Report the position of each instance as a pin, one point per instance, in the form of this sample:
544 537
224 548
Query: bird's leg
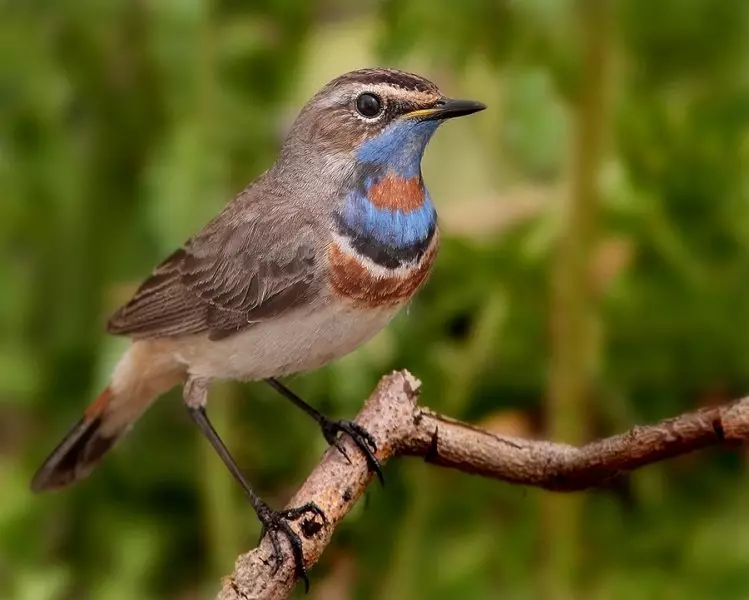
275 522
331 429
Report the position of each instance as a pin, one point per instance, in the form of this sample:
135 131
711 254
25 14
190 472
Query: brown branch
403 428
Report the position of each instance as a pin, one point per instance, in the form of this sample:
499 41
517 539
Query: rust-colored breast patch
350 279
397 193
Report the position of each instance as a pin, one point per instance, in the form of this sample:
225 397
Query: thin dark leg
330 429
275 523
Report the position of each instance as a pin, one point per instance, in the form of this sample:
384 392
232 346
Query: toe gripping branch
331 429
362 438
276 523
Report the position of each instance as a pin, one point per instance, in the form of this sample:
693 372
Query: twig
403 428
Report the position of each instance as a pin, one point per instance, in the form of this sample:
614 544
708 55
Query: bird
303 266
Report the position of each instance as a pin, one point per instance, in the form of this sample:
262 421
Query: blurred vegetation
124 125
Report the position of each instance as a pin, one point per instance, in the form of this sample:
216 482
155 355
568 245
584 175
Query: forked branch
403 428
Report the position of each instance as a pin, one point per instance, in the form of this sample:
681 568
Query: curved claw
292 514
282 527
363 433
342 449
362 438
275 524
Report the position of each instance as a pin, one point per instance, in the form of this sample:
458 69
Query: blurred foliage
125 125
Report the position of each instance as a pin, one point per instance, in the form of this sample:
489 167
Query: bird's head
357 147
375 117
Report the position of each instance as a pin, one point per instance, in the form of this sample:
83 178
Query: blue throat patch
399 147
389 237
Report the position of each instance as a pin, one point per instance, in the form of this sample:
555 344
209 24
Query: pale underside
305 339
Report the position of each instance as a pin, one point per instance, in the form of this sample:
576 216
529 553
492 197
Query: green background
594 274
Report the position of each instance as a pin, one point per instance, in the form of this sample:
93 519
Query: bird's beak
447 108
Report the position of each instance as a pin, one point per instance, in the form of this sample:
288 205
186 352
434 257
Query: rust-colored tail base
81 449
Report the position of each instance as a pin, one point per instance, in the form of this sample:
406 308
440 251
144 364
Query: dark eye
368 105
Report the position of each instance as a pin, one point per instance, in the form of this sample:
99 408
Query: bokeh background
594 275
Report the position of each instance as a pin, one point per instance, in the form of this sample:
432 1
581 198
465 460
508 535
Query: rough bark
404 428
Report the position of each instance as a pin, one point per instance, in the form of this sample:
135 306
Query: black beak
447 108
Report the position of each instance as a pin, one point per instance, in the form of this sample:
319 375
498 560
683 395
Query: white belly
299 341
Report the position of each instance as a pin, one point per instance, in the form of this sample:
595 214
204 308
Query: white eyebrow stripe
342 95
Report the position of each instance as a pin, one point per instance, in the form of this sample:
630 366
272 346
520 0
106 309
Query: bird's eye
368 105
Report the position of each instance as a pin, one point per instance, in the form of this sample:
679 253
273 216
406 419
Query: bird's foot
276 523
331 429
362 438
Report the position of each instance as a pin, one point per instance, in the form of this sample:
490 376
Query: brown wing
241 269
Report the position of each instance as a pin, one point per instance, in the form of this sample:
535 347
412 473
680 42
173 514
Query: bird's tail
104 422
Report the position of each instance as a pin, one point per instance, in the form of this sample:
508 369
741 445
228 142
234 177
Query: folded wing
241 269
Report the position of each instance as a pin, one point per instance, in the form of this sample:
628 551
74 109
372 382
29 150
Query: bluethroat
303 266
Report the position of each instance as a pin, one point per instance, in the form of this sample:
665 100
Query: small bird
303 266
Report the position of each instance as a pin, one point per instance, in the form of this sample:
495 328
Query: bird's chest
385 242
364 284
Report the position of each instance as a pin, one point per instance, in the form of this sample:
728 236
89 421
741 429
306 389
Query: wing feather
243 268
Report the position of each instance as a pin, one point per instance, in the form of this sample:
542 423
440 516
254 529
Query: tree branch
403 428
